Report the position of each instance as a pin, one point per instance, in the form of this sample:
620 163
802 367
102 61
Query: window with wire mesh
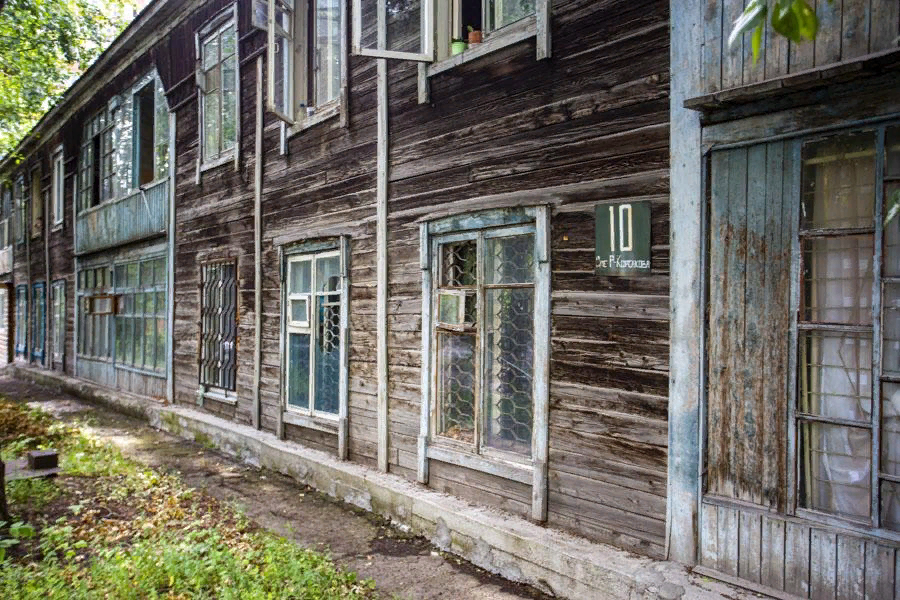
848 401
484 340
218 324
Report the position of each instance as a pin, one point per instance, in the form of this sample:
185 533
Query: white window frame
297 77
309 417
7 209
58 306
214 26
528 470
20 207
58 187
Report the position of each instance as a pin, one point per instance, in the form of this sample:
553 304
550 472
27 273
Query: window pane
146 273
229 103
160 344
890 429
509 260
328 274
449 308
282 74
892 152
161 303
328 48
300 277
328 355
211 125
459 264
149 343
836 375
504 12
837 279
210 52
834 469
298 370
132 275
456 386
138 341
299 312
508 369
892 230
890 505
404 25
839 182
890 359
120 339
228 42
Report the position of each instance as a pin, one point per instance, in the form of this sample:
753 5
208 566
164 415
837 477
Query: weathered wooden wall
753 197
847 30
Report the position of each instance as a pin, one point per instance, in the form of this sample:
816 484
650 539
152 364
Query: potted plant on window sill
474 35
457 46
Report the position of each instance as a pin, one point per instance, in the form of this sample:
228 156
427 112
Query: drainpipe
170 277
382 267
257 243
48 354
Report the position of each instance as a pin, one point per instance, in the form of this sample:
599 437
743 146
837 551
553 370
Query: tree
44 46
794 19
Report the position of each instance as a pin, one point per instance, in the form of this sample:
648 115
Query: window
21 203
6 210
37 203
22 320
218 325
217 77
58 306
435 30
305 57
38 321
487 383
95 168
140 314
485 344
315 317
848 392
94 338
59 187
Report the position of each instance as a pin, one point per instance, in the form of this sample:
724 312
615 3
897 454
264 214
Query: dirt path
403 567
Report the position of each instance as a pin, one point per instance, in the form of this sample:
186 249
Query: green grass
131 532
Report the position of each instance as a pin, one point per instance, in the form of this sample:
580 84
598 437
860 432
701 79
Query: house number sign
622 238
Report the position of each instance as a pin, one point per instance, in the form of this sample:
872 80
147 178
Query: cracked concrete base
555 562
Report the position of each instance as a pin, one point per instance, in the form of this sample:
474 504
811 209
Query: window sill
227 158
56 228
218 396
317 422
515 471
507 36
320 115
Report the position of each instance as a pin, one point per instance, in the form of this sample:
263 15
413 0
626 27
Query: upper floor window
217 76
95 167
6 211
37 203
465 23
57 198
305 57
21 208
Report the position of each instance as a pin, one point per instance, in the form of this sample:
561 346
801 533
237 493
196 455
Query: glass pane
282 74
456 386
328 355
211 125
836 375
298 370
508 369
834 469
133 275
837 279
890 349
149 343
147 274
299 312
228 42
229 103
890 505
509 259
890 429
459 264
839 182
300 277
120 339
504 12
892 152
138 342
161 303
404 25
210 52
328 274
892 230
160 344
449 308
328 48
121 281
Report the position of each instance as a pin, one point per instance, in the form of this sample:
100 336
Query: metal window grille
218 325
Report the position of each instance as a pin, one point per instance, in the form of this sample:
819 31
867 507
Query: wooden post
257 244
686 329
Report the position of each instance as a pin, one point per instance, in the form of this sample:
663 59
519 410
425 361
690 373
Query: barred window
218 325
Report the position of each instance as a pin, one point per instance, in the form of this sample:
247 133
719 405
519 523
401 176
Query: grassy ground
109 527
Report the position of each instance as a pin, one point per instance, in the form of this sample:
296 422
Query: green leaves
794 19
44 46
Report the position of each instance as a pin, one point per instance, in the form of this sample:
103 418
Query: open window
218 80
306 59
143 128
394 29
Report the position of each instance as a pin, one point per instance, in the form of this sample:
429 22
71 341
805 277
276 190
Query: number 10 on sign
622 238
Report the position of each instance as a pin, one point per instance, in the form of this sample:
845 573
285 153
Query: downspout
48 354
29 300
381 256
76 316
257 243
170 278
